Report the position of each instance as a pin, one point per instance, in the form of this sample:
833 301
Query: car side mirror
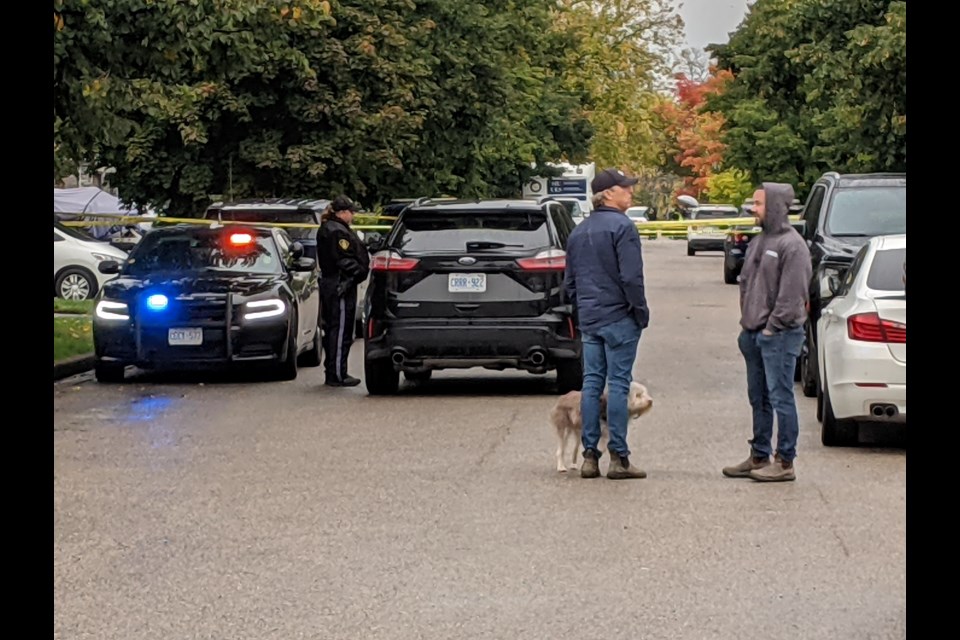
304 264
109 267
296 250
833 284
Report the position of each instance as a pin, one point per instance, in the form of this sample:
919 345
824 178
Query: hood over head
779 197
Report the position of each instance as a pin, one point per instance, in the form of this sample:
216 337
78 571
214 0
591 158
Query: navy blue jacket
604 271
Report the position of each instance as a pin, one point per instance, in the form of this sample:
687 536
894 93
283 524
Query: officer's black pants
339 317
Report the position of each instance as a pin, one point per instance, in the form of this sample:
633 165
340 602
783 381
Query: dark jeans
608 355
771 361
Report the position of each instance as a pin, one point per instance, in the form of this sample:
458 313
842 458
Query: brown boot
779 471
591 464
743 470
621 469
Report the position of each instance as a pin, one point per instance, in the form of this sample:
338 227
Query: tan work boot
591 464
743 470
779 471
621 469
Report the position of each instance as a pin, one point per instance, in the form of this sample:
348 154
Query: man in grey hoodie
774 295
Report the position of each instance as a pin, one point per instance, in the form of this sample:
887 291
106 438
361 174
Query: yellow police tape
656 228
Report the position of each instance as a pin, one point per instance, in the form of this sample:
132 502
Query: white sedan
76 256
863 343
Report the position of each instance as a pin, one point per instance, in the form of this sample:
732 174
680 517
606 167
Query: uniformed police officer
344 264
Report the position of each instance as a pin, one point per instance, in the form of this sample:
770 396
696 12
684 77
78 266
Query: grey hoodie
775 280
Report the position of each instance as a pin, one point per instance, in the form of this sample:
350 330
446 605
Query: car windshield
227 250
270 216
868 212
429 231
887 270
637 212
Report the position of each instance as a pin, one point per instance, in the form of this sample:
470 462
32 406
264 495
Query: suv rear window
886 271
438 231
868 211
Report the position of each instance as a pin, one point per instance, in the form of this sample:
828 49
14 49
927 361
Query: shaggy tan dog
568 423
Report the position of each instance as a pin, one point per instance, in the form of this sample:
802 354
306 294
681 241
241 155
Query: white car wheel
76 284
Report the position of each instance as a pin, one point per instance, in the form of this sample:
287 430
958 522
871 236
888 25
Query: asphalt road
225 507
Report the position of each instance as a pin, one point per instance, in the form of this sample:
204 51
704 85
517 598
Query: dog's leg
576 449
561 451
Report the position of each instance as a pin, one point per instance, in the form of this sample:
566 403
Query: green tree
732 186
616 51
379 98
819 85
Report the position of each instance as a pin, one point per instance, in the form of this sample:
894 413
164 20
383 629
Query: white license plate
184 337
467 283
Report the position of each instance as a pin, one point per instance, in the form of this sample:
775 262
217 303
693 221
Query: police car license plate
184 337
467 283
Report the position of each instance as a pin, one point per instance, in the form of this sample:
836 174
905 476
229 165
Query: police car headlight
110 310
259 309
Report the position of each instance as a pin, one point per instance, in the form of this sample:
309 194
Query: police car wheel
108 372
311 357
287 370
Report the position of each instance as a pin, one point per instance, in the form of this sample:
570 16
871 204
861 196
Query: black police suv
460 284
190 297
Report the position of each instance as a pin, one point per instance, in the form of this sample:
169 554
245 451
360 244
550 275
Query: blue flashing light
157 302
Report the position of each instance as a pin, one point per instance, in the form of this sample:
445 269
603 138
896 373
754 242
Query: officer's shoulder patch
344 244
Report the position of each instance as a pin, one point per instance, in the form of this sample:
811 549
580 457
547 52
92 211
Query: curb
72 366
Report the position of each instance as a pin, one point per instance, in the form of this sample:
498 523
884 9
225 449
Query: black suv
843 211
460 284
275 210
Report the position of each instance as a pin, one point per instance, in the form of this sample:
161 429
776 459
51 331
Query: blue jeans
771 361
608 355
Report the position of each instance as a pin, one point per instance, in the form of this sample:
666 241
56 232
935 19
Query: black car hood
175 284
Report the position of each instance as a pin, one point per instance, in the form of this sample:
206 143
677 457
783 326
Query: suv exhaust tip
398 357
538 357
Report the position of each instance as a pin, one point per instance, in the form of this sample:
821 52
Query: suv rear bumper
534 344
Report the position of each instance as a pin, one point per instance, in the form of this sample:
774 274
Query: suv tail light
740 238
391 261
551 260
869 327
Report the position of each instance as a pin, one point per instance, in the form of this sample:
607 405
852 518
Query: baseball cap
343 203
609 178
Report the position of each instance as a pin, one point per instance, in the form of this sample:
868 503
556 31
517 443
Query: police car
190 297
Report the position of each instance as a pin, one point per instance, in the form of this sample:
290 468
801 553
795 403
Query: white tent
69 204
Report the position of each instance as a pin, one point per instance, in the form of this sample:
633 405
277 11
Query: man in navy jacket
604 281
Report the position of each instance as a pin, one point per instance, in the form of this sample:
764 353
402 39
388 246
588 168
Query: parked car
709 238
842 213
76 255
471 284
192 297
638 214
862 345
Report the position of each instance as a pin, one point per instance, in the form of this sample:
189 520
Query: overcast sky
711 21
